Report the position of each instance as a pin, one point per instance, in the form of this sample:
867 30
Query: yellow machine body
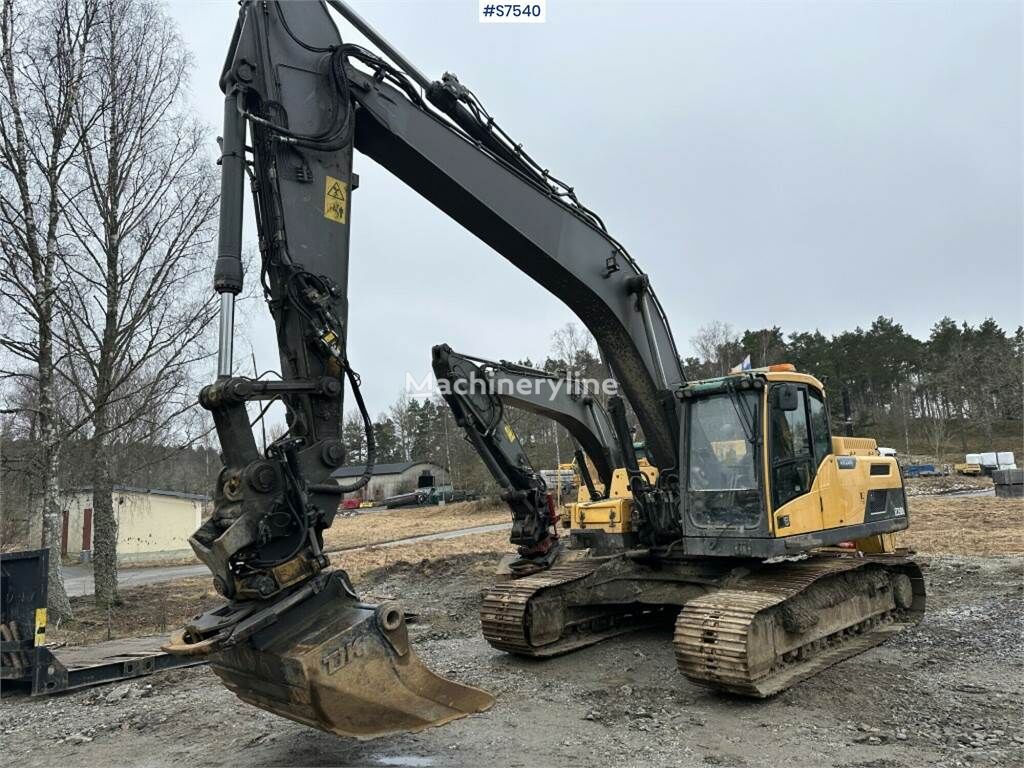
850 484
614 514
838 497
843 480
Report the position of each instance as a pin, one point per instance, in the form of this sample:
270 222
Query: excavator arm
477 391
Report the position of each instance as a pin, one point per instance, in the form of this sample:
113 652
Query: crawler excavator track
753 630
536 615
787 622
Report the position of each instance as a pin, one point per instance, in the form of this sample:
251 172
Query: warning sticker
510 434
335 200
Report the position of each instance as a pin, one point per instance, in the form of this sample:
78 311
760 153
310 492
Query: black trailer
25 659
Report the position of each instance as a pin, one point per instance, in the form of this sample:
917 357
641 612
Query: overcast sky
810 165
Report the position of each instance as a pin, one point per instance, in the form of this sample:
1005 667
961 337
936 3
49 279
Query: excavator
765 537
782 564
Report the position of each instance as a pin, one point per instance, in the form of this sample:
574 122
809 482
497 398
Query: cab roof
765 373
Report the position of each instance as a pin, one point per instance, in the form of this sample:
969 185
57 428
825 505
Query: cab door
792 461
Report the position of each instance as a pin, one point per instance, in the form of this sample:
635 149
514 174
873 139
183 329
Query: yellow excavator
764 536
781 560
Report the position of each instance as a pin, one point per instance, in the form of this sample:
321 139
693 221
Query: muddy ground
958 525
158 608
946 693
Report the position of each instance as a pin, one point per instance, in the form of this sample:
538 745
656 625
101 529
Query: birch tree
44 49
138 306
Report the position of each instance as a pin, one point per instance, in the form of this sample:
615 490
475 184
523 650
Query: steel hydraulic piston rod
227 280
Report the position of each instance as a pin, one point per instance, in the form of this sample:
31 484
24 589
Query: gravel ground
954 483
947 693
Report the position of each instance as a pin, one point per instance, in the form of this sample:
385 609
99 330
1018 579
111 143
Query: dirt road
78 579
946 694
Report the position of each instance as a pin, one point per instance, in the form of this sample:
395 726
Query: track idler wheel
343 666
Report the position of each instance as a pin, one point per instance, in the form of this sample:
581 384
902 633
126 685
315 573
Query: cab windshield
721 455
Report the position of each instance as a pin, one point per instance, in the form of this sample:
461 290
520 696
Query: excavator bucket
343 666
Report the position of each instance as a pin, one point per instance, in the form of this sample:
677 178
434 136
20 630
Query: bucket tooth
345 667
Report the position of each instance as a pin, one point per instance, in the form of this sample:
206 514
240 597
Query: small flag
744 366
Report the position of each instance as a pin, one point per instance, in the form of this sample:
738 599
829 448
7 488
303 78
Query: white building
392 479
152 525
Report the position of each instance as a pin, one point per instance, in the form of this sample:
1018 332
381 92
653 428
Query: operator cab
762 474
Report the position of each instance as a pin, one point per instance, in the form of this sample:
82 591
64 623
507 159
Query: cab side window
791 452
821 439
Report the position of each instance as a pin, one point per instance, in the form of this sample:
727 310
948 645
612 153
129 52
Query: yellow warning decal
510 434
335 200
40 638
